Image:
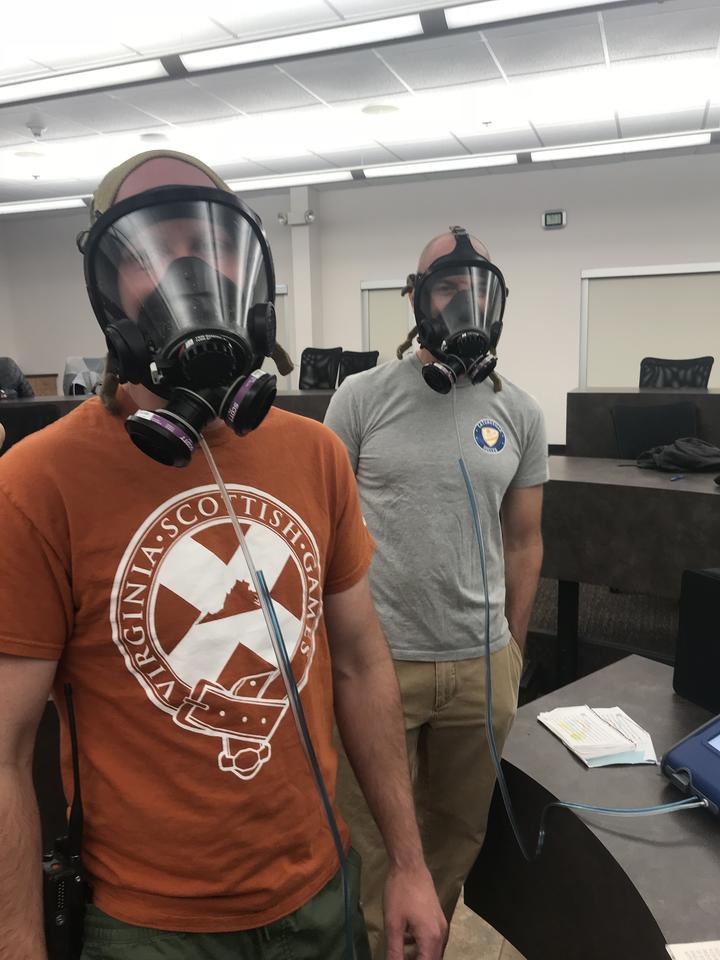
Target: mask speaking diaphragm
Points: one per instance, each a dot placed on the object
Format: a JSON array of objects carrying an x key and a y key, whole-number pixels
[
  {"x": 182, "y": 283},
  {"x": 459, "y": 303}
]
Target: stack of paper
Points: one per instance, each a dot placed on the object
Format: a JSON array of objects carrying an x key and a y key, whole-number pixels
[
  {"x": 600, "y": 736},
  {"x": 709, "y": 950}
]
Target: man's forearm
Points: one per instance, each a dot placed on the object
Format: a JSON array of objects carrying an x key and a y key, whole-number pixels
[
  {"x": 21, "y": 928},
  {"x": 522, "y": 572},
  {"x": 369, "y": 718}
]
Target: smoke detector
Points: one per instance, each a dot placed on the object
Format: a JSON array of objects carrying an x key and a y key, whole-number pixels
[{"x": 36, "y": 128}]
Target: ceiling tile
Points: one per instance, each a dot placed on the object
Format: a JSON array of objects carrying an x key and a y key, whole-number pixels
[
  {"x": 296, "y": 164},
  {"x": 665, "y": 123},
  {"x": 347, "y": 76},
  {"x": 9, "y": 138},
  {"x": 56, "y": 127},
  {"x": 657, "y": 31},
  {"x": 241, "y": 170},
  {"x": 104, "y": 113},
  {"x": 360, "y": 157},
  {"x": 80, "y": 55},
  {"x": 387, "y": 8},
  {"x": 175, "y": 101},
  {"x": 508, "y": 140},
  {"x": 426, "y": 149},
  {"x": 157, "y": 32},
  {"x": 551, "y": 49},
  {"x": 557, "y": 135},
  {"x": 441, "y": 61},
  {"x": 14, "y": 68},
  {"x": 255, "y": 89},
  {"x": 713, "y": 117},
  {"x": 249, "y": 21},
  {"x": 521, "y": 28}
]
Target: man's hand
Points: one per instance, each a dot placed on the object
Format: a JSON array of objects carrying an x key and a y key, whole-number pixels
[{"x": 413, "y": 915}]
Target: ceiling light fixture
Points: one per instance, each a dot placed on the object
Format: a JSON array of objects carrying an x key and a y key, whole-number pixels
[
  {"x": 85, "y": 80},
  {"x": 32, "y": 206},
  {"x": 298, "y": 44},
  {"x": 490, "y": 11},
  {"x": 612, "y": 147},
  {"x": 290, "y": 180},
  {"x": 437, "y": 166}
]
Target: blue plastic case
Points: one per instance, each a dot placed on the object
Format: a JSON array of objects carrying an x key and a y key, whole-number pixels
[{"x": 693, "y": 764}]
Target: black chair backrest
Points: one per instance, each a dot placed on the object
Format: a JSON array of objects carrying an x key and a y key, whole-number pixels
[
  {"x": 656, "y": 372},
  {"x": 353, "y": 361},
  {"x": 639, "y": 428},
  {"x": 319, "y": 368}
]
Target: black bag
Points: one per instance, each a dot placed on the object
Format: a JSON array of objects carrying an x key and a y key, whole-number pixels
[{"x": 686, "y": 455}]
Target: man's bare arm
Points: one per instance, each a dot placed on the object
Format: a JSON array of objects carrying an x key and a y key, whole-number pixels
[
  {"x": 369, "y": 718},
  {"x": 523, "y": 547},
  {"x": 24, "y": 688}
]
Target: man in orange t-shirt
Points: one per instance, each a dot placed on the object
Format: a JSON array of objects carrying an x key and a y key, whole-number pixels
[{"x": 204, "y": 831}]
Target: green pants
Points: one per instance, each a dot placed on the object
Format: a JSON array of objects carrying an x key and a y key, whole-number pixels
[{"x": 314, "y": 932}]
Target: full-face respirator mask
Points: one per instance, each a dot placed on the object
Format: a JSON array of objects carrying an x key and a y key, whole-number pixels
[
  {"x": 459, "y": 302},
  {"x": 182, "y": 283}
]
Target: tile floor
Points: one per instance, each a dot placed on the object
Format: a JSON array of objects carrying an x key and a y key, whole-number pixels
[{"x": 473, "y": 939}]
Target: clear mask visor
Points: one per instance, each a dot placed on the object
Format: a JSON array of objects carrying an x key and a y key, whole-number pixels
[
  {"x": 462, "y": 299},
  {"x": 179, "y": 267}
]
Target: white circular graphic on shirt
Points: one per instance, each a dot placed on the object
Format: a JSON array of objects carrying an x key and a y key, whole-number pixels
[
  {"x": 188, "y": 622},
  {"x": 489, "y": 436}
]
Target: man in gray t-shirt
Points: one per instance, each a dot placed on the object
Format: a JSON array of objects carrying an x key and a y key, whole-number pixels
[{"x": 426, "y": 576}]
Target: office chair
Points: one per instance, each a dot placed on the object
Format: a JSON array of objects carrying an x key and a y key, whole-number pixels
[
  {"x": 353, "y": 361},
  {"x": 82, "y": 375},
  {"x": 640, "y": 428},
  {"x": 656, "y": 372},
  {"x": 319, "y": 368}
]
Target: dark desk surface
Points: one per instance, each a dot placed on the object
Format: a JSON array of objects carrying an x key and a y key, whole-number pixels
[
  {"x": 623, "y": 527},
  {"x": 21, "y": 417},
  {"x": 672, "y": 862},
  {"x": 625, "y": 473}
]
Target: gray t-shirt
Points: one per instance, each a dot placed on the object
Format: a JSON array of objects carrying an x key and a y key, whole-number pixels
[{"x": 426, "y": 577}]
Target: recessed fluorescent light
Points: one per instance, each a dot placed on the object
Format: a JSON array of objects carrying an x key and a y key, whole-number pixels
[
  {"x": 333, "y": 38},
  {"x": 490, "y": 11},
  {"x": 620, "y": 146},
  {"x": 435, "y": 166},
  {"x": 291, "y": 180},
  {"x": 85, "y": 80},
  {"x": 31, "y": 206}
]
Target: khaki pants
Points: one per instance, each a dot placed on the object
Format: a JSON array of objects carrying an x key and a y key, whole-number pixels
[{"x": 452, "y": 773}]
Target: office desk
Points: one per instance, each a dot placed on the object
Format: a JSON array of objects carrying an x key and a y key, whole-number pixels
[
  {"x": 623, "y": 527},
  {"x": 604, "y": 887},
  {"x": 590, "y": 431},
  {"x": 21, "y": 417}
]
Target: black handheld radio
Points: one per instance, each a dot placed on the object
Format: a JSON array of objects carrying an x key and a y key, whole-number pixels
[{"x": 65, "y": 889}]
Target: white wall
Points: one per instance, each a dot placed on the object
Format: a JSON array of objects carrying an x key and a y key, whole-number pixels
[
  {"x": 45, "y": 315},
  {"x": 626, "y": 213}
]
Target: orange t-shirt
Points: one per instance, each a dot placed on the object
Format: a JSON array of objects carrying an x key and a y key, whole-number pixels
[{"x": 201, "y": 813}]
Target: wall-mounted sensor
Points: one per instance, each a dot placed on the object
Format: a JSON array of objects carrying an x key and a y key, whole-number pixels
[{"x": 554, "y": 219}]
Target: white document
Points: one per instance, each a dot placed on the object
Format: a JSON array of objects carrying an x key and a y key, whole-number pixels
[
  {"x": 710, "y": 950},
  {"x": 600, "y": 737},
  {"x": 633, "y": 731}
]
